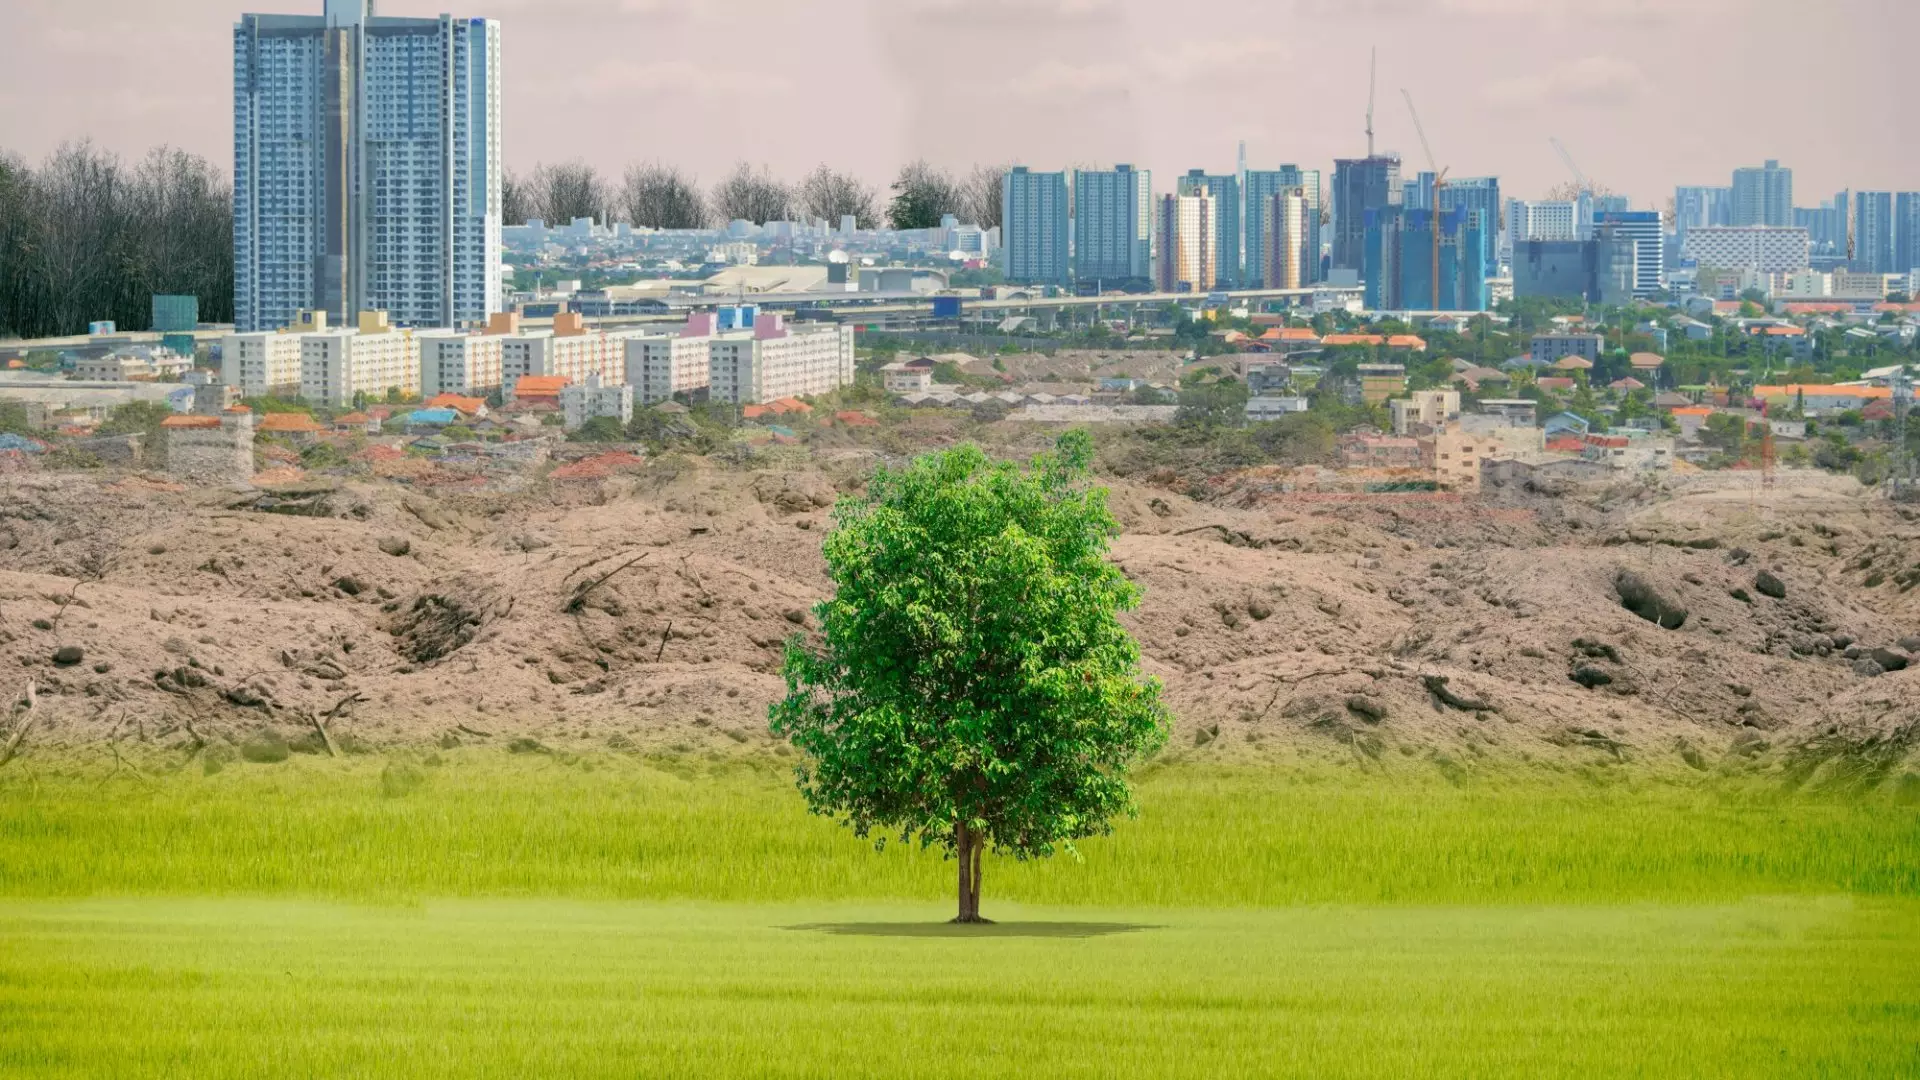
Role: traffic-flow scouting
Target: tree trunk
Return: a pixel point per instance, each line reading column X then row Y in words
column 967, row 847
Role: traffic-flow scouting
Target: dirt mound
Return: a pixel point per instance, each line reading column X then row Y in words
column 650, row 609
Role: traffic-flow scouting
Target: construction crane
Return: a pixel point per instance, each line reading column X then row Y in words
column 1439, row 184
column 1373, row 56
column 1580, row 178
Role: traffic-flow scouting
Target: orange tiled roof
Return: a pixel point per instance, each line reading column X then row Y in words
column 467, row 405
column 1353, row 339
column 177, row 422
column 1799, row 389
column 352, row 418
column 1406, row 341
column 289, row 424
column 1784, row 331
column 539, row 385
column 854, row 419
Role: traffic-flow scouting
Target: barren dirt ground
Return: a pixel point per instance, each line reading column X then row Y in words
column 648, row 612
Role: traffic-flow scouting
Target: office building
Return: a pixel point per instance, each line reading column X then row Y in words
column 1288, row 264
column 1188, row 243
column 366, row 167
column 1478, row 195
column 1763, row 195
column 594, row 398
column 1696, row 207
column 1874, row 244
column 1225, row 193
column 1035, row 225
column 660, row 366
column 1551, row 348
column 1597, row 271
column 1549, row 220
column 1360, row 185
column 774, row 361
column 1906, row 232
column 372, row 361
column 1826, row 225
column 1262, row 186
column 1761, row 248
column 1113, row 225
column 1645, row 231
column 1423, row 261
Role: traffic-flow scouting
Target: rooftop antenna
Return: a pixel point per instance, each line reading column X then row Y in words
column 1373, row 55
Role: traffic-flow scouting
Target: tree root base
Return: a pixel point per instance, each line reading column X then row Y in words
column 972, row 920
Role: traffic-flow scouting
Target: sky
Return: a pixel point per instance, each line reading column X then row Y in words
column 1646, row 94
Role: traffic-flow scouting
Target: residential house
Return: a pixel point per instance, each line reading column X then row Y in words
column 908, row 376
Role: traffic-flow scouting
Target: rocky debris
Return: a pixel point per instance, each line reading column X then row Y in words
column 68, row 655
column 1590, row 677
column 1366, row 708
column 792, row 494
column 1437, row 686
column 1890, row 659
column 1640, row 597
column 439, row 622
column 1769, row 585
column 396, row 546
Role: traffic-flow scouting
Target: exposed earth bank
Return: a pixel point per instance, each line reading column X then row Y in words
column 1700, row 623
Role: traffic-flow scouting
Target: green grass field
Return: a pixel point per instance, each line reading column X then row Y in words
column 509, row 917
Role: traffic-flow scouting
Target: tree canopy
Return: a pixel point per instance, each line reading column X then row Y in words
column 972, row 687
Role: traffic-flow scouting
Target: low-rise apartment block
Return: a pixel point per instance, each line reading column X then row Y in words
column 774, row 361
column 264, row 364
column 1548, row 348
column 658, row 366
column 569, row 350
column 374, row 359
column 1424, row 409
column 455, row 363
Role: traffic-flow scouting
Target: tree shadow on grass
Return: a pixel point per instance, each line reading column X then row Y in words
column 976, row 930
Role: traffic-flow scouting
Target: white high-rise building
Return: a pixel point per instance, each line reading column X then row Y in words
column 366, row 167
column 1761, row 248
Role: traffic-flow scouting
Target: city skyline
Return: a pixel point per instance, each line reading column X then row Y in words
column 1639, row 101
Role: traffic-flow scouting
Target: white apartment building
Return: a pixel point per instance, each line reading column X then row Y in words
column 659, row 366
column 1432, row 408
column 338, row 365
column 452, row 362
column 581, row 402
column 367, row 167
column 774, row 361
column 569, row 350
column 1764, row 249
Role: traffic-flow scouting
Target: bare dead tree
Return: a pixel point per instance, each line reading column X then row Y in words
column 513, row 198
column 84, row 237
column 826, row 195
column 658, row 196
column 752, row 195
column 557, row 194
column 982, row 192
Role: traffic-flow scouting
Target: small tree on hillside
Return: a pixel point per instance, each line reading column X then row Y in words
column 973, row 687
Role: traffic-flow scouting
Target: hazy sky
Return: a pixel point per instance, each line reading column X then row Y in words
column 1645, row 93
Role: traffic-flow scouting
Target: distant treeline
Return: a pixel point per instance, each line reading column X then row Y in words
column 658, row 196
column 87, row 236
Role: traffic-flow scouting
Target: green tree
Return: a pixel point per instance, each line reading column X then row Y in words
column 600, row 429
column 1218, row 403
column 136, row 418
column 973, row 687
